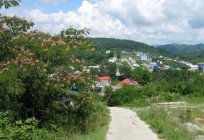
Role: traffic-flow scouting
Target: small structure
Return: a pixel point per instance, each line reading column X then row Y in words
column 88, row 68
column 112, row 60
column 165, row 67
column 153, row 65
column 103, row 82
column 143, row 57
column 201, row 67
column 134, row 63
column 193, row 68
column 108, row 51
column 117, row 72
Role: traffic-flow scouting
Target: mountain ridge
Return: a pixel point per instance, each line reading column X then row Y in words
column 129, row 45
column 182, row 47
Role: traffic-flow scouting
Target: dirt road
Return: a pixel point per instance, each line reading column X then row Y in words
column 126, row 125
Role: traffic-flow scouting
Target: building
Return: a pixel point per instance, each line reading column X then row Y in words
column 126, row 81
column 143, row 57
column 108, row 51
column 88, row 68
column 134, row 63
column 112, row 60
column 166, row 67
column 153, row 65
column 193, row 67
column 201, row 67
column 103, row 82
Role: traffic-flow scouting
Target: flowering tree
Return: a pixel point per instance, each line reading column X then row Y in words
column 35, row 68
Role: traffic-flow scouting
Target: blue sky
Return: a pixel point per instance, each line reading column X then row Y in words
column 50, row 6
column 148, row 21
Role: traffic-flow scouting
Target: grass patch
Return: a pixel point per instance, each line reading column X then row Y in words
column 138, row 103
column 167, row 123
column 99, row 134
column 195, row 101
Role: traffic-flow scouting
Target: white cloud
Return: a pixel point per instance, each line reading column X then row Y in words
column 149, row 21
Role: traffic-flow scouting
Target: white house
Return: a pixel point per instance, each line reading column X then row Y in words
column 112, row 60
column 103, row 82
column 193, row 68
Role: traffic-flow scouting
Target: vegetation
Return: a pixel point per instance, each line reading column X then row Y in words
column 36, row 74
column 176, row 121
column 182, row 47
column 166, row 124
column 121, row 96
column 142, row 75
column 128, row 45
column 158, row 86
column 193, row 53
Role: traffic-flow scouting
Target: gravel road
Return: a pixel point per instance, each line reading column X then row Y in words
column 126, row 125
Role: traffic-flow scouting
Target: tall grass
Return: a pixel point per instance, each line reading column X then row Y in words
column 163, row 123
column 98, row 134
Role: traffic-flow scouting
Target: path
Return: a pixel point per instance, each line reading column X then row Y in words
column 126, row 125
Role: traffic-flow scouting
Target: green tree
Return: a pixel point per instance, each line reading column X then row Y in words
column 111, row 69
column 142, row 75
column 9, row 3
column 126, row 70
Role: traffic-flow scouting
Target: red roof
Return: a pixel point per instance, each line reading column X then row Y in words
column 127, row 81
column 106, row 78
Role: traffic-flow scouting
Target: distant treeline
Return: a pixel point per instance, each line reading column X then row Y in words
column 128, row 45
column 191, row 53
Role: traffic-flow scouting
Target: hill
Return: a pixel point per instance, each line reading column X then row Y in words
column 128, row 45
column 193, row 53
column 182, row 47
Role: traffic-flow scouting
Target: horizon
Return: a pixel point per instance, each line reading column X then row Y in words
column 149, row 21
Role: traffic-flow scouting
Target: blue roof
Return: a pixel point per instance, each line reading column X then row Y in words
column 153, row 64
column 133, row 61
column 201, row 65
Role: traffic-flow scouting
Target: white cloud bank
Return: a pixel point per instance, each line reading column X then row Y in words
column 149, row 21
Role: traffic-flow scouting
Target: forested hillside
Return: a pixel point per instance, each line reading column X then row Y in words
column 193, row 53
column 182, row 47
column 128, row 45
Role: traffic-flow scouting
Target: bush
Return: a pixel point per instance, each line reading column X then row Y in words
column 22, row 130
column 122, row 96
column 28, row 92
column 87, row 114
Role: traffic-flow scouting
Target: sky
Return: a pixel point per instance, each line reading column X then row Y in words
column 153, row 22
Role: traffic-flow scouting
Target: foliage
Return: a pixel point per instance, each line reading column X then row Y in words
column 9, row 3
column 36, row 72
column 128, row 45
column 21, row 130
column 164, row 125
column 125, row 70
column 142, row 75
column 87, row 114
column 122, row 96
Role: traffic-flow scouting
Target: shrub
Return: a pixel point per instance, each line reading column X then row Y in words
column 21, row 130
column 87, row 114
column 122, row 96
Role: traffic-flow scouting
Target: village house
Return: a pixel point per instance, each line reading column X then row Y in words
column 103, row 82
column 112, row 60
column 193, row 67
column 143, row 57
column 152, row 65
column 126, row 81
column 134, row 63
column 201, row 67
